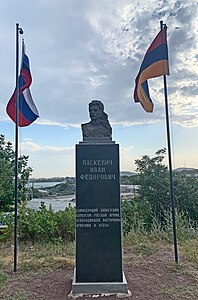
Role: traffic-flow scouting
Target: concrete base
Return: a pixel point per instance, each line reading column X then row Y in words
column 99, row 287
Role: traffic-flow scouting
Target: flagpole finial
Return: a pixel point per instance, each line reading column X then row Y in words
column 161, row 24
column 20, row 30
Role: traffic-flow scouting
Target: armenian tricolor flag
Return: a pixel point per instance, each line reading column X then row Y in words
column 28, row 112
column 155, row 63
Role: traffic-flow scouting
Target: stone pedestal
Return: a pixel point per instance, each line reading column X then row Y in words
column 98, row 220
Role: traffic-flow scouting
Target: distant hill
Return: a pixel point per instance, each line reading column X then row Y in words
column 127, row 173
column 189, row 171
column 51, row 179
column 185, row 169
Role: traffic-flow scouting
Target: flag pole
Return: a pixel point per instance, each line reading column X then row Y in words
column 172, row 198
column 18, row 30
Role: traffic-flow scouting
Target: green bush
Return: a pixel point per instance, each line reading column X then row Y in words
column 7, row 175
column 42, row 225
column 7, row 233
column 136, row 214
column 154, row 181
column 66, row 224
column 46, row 225
column 137, row 219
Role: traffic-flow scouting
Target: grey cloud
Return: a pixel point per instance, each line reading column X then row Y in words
column 185, row 14
column 188, row 90
column 181, row 73
column 69, row 53
column 180, row 40
column 191, row 90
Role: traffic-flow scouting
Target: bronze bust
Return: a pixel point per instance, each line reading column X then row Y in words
column 98, row 128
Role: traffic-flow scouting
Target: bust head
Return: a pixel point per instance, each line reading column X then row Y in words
column 99, row 126
column 96, row 110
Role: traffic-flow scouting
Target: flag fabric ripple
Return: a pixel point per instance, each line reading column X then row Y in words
column 155, row 63
column 28, row 112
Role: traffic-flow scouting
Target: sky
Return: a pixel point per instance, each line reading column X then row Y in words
column 80, row 50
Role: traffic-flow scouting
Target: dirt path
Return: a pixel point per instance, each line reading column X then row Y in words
column 149, row 277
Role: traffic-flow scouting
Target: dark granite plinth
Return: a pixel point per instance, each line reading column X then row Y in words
column 98, row 224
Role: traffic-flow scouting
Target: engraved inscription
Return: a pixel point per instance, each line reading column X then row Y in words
column 98, row 176
column 97, row 162
column 100, row 217
column 97, row 169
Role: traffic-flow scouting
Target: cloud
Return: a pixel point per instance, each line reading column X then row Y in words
column 54, row 123
column 127, row 158
column 94, row 50
column 30, row 147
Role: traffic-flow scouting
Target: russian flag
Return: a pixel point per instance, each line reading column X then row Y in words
column 28, row 112
column 155, row 63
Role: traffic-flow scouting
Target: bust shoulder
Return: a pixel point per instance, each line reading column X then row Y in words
column 99, row 126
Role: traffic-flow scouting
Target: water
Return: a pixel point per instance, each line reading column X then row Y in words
column 39, row 185
column 60, row 203
column 57, row 203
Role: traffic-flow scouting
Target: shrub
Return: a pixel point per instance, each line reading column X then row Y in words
column 42, row 225
column 7, row 233
column 46, row 225
column 136, row 214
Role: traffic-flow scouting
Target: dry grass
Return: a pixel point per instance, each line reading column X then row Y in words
column 189, row 292
column 38, row 256
column 142, row 255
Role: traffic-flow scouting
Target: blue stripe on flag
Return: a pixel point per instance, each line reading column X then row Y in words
column 26, row 110
column 157, row 54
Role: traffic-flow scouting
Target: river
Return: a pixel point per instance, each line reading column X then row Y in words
column 57, row 203
column 40, row 185
column 60, row 203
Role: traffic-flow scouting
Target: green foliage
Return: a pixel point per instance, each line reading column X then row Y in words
column 66, row 224
column 61, row 189
column 36, row 193
column 132, row 180
column 46, row 225
column 42, row 225
column 186, row 194
column 136, row 215
column 144, row 241
column 7, row 164
column 138, row 219
column 7, row 233
column 148, row 213
column 154, row 182
column 154, row 188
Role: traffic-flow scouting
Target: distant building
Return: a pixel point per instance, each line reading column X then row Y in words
column 44, row 193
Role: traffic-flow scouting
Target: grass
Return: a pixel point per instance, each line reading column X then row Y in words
column 39, row 256
column 189, row 249
column 140, row 249
column 33, row 259
column 3, row 279
column 19, row 296
column 190, row 292
column 173, row 267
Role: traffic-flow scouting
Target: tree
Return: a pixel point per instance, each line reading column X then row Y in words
column 186, row 194
column 7, row 163
column 154, row 182
column 154, row 187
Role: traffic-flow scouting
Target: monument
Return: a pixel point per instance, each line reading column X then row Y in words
column 98, row 220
